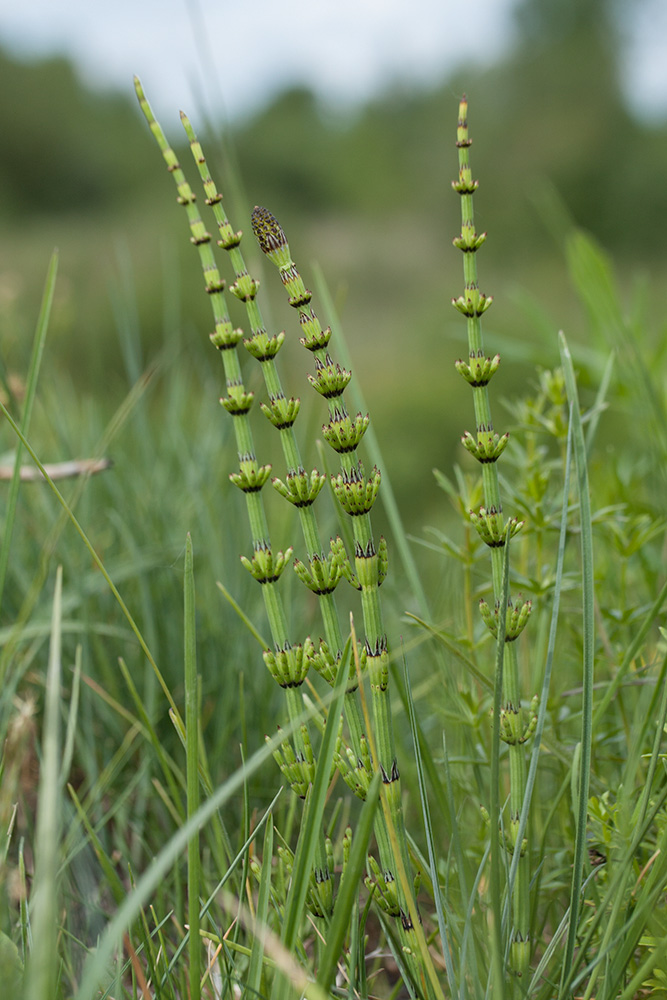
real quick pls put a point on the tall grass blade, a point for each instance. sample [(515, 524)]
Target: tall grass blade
[(192, 768), (551, 649), (41, 972), (254, 978), (348, 893), (587, 664), (495, 913), (311, 826)]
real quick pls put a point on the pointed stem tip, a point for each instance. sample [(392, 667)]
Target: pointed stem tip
[(270, 236)]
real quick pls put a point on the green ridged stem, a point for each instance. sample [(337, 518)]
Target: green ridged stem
[(230, 241), (356, 494), (264, 566), (486, 446)]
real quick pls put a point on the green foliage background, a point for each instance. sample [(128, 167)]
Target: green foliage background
[(365, 194)]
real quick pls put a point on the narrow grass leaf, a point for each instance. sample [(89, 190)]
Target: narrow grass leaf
[(495, 914), (311, 826), (660, 720), (588, 609), (354, 986), (546, 681), (242, 615), (455, 649), (42, 964), (241, 854), (653, 960), (192, 768), (349, 889), (72, 718), (254, 979)]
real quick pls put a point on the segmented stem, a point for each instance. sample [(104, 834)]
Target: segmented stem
[(288, 663), (356, 493), (487, 446)]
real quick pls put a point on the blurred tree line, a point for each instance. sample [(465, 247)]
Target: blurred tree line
[(553, 108)]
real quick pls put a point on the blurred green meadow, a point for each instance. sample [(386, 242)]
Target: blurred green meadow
[(366, 196)]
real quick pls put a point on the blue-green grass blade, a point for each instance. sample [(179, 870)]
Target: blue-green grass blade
[(41, 973), (311, 827), (254, 979), (192, 768), (31, 389), (430, 843), (540, 973), (588, 624), (349, 889)]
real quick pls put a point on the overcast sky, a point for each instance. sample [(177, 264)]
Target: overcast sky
[(344, 49)]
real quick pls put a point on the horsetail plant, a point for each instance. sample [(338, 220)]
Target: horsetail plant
[(324, 571), (287, 662), (486, 446), (356, 493)]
